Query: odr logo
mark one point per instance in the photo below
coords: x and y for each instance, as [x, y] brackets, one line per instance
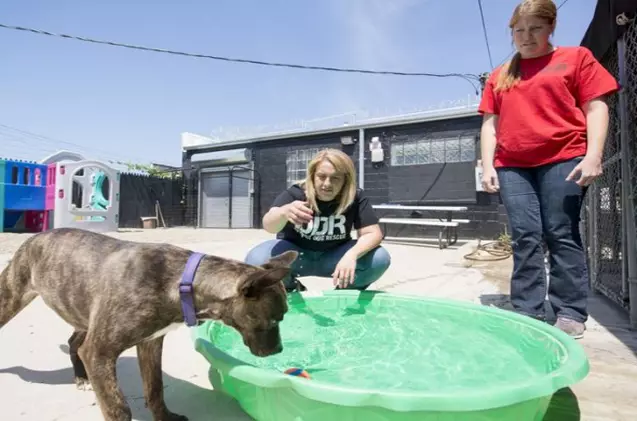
[324, 228]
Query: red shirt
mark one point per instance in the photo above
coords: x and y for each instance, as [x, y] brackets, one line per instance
[540, 120]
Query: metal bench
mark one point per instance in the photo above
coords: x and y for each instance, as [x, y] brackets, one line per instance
[448, 228]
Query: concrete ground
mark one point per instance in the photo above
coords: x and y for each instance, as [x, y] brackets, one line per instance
[36, 377]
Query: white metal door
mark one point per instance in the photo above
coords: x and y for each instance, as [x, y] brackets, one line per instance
[241, 200]
[215, 200]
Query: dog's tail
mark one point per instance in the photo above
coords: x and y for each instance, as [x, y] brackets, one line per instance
[15, 284]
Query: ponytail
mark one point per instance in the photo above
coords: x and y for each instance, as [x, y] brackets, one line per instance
[510, 74]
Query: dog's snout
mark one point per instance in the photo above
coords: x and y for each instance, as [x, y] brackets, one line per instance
[272, 351]
[261, 349]
[263, 343]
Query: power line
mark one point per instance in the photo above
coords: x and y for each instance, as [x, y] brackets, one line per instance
[484, 29]
[47, 139]
[466, 76]
[30, 136]
[513, 50]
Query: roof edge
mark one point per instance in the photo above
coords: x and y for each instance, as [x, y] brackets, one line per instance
[239, 143]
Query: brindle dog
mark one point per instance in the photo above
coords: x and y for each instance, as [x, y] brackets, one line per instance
[119, 294]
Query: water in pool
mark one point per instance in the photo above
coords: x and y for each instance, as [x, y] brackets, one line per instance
[377, 344]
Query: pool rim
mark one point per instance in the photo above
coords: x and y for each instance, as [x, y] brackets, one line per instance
[572, 370]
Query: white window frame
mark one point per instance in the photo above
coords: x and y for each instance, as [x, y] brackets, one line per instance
[296, 163]
[433, 150]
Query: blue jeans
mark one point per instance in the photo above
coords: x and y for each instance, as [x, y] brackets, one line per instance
[369, 268]
[542, 205]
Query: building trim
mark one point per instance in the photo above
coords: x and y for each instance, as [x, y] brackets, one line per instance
[240, 143]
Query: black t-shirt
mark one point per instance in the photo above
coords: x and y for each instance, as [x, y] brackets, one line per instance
[327, 230]
[603, 31]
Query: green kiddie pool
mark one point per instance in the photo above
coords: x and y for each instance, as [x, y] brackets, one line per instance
[383, 357]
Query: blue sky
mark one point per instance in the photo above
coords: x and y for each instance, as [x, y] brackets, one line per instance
[119, 104]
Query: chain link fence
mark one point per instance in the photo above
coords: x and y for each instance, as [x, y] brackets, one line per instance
[607, 240]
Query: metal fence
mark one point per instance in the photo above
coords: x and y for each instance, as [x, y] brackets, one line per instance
[609, 217]
[159, 196]
[164, 195]
[223, 196]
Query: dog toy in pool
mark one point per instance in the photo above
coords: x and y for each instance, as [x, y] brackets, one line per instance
[299, 372]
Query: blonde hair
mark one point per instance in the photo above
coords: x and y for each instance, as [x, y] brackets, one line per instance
[342, 164]
[510, 73]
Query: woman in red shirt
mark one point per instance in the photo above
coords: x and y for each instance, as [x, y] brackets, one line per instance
[542, 139]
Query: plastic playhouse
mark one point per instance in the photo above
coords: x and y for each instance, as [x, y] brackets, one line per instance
[63, 190]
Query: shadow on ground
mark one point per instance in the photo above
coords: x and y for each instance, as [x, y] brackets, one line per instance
[503, 301]
[182, 397]
[563, 407]
[601, 309]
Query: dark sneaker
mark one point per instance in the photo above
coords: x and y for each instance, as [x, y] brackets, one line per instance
[539, 317]
[571, 327]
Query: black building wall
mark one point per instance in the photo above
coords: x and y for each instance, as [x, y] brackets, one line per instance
[270, 163]
[427, 184]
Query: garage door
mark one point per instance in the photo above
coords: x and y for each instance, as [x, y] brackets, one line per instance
[216, 203]
[241, 202]
[215, 200]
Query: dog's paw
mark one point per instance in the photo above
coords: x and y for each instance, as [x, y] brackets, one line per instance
[83, 384]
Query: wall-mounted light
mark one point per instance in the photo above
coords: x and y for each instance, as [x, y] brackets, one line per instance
[347, 140]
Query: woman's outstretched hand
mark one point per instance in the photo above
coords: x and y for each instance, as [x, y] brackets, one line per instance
[298, 212]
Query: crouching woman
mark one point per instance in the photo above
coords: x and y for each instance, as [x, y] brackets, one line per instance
[315, 217]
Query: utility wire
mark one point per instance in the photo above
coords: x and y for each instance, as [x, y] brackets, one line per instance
[24, 136]
[513, 50]
[466, 76]
[484, 29]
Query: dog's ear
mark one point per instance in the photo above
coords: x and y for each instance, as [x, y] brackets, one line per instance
[255, 283]
[284, 259]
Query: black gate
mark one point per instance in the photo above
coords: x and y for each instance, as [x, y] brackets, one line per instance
[229, 197]
[149, 196]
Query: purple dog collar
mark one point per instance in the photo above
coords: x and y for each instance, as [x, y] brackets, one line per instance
[186, 289]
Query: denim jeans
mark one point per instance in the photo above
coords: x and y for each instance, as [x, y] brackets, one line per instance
[369, 268]
[542, 205]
